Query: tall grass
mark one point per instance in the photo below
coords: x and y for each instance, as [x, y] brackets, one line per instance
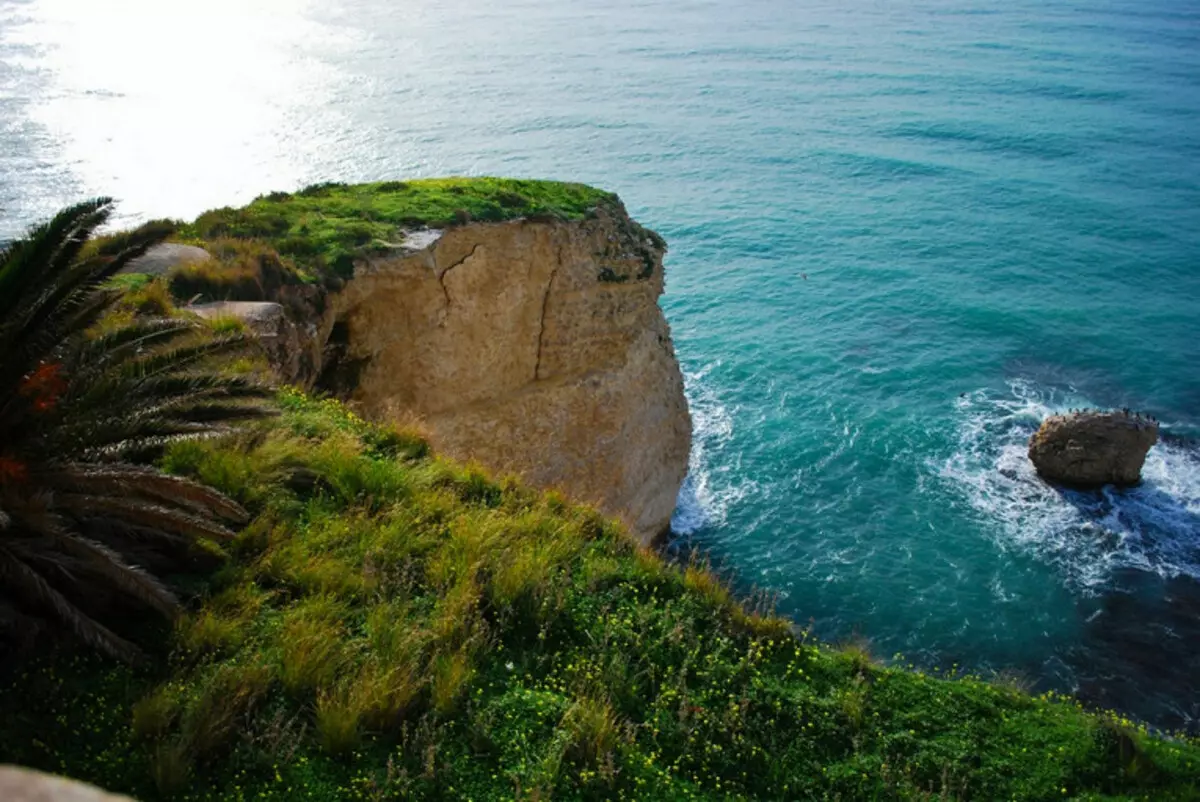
[392, 625]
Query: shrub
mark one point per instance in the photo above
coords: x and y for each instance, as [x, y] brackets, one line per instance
[338, 721]
[85, 403]
[239, 270]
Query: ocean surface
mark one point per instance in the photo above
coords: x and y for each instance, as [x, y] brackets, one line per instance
[901, 233]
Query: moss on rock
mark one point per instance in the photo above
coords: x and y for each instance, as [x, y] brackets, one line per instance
[328, 225]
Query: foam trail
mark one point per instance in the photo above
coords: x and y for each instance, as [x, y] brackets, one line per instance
[710, 489]
[1088, 536]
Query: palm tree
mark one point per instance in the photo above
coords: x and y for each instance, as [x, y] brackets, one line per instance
[80, 413]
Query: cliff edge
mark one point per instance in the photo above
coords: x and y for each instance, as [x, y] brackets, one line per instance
[530, 340]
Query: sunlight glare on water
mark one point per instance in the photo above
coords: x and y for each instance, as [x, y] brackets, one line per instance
[174, 107]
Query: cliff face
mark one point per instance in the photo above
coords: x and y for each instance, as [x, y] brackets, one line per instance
[533, 347]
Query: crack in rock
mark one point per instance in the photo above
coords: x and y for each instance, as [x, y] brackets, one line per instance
[442, 276]
[537, 367]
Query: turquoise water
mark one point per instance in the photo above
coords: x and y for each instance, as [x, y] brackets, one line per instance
[900, 234]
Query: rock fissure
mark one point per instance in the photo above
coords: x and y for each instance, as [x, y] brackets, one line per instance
[537, 365]
[444, 273]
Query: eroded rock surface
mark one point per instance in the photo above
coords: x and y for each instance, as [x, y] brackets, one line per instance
[533, 347]
[291, 345]
[1091, 449]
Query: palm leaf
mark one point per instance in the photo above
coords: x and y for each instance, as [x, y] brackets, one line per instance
[75, 411]
[29, 263]
[120, 479]
[32, 586]
[98, 559]
[146, 514]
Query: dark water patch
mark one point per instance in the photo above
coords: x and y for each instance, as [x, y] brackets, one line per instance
[858, 165]
[1025, 144]
[1067, 92]
[1140, 650]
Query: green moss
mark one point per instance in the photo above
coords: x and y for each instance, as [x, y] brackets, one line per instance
[393, 625]
[328, 225]
[130, 282]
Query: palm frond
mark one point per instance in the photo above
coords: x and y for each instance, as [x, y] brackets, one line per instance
[20, 577]
[129, 480]
[40, 285]
[28, 263]
[95, 355]
[142, 513]
[77, 410]
[97, 559]
[137, 394]
[175, 359]
[72, 297]
[120, 438]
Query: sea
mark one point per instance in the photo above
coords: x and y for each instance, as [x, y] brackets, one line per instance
[901, 233]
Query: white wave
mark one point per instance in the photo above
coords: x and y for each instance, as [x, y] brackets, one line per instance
[712, 486]
[1154, 527]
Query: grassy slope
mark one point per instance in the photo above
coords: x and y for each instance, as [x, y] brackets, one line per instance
[327, 225]
[395, 626]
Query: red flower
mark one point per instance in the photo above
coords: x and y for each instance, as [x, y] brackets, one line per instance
[44, 386]
[11, 470]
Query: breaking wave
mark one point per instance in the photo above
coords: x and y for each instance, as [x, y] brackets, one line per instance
[1087, 535]
[712, 485]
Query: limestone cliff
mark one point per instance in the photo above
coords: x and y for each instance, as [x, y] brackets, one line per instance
[535, 347]
[517, 320]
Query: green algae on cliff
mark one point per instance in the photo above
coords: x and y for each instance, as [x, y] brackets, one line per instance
[392, 625]
[330, 224]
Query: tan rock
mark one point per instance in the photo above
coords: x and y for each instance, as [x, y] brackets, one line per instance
[25, 785]
[532, 347]
[290, 346]
[1091, 449]
[162, 257]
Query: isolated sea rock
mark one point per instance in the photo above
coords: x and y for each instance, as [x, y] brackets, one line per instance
[535, 347]
[25, 785]
[1091, 449]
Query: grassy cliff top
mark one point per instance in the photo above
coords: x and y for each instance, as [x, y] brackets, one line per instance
[328, 225]
[395, 626]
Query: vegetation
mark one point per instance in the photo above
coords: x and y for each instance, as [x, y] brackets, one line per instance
[394, 626]
[313, 236]
[83, 399]
[325, 226]
[390, 625]
[239, 270]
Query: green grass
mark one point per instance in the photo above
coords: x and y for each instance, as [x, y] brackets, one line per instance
[327, 226]
[395, 626]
